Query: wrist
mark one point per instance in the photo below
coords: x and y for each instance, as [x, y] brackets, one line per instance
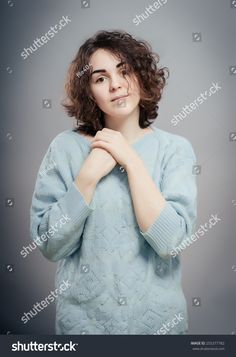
[133, 164]
[85, 187]
[87, 179]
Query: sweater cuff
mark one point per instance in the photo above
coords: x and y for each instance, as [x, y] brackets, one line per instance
[162, 235]
[74, 204]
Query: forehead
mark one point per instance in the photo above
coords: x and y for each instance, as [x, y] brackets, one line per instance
[104, 59]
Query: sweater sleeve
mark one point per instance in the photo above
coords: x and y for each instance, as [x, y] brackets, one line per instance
[58, 210]
[177, 219]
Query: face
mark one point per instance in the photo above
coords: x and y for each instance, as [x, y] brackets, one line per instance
[110, 80]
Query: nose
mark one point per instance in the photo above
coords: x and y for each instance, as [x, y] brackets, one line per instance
[115, 83]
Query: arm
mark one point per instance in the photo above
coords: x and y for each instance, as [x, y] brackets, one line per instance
[165, 217]
[60, 205]
[147, 199]
[85, 187]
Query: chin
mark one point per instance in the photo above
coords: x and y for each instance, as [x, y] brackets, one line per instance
[121, 112]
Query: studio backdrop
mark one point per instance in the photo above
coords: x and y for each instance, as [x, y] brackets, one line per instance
[195, 39]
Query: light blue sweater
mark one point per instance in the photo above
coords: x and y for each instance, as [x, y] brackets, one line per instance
[121, 280]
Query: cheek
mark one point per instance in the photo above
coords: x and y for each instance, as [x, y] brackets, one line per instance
[136, 94]
[101, 100]
[134, 87]
[98, 95]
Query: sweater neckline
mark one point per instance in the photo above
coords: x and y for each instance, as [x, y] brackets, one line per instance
[135, 143]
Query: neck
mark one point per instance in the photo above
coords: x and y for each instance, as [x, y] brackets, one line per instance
[127, 125]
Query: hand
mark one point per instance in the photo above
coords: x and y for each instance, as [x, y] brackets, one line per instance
[98, 164]
[115, 144]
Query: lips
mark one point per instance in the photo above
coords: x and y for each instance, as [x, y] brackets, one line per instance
[120, 97]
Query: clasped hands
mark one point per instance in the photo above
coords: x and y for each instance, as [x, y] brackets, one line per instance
[116, 144]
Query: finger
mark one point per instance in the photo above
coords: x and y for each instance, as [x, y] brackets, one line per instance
[100, 143]
[102, 136]
[108, 130]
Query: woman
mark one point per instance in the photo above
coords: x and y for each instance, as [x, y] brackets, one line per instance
[126, 192]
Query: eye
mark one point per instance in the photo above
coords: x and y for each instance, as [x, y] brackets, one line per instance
[100, 80]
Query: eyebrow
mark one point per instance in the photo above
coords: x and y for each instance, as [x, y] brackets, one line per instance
[104, 70]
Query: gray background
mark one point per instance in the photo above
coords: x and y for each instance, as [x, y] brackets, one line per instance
[209, 265]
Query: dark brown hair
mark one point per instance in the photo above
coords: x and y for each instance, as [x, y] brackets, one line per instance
[140, 60]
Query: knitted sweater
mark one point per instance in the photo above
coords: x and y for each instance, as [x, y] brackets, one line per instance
[121, 280]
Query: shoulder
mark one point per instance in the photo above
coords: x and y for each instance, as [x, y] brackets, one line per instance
[67, 140]
[172, 144]
[67, 150]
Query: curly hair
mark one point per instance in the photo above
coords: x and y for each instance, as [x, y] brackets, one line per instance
[141, 62]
